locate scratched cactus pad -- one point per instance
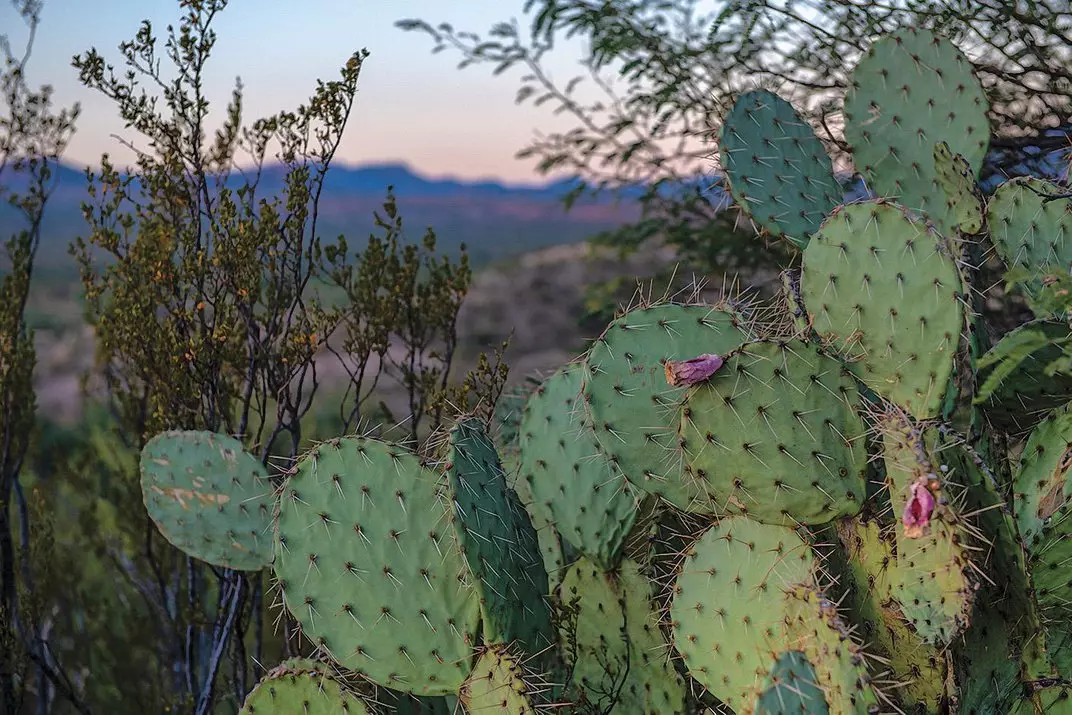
(957, 181)
(910, 91)
(209, 497)
(775, 434)
(729, 613)
(632, 408)
(290, 690)
(498, 542)
(368, 564)
(777, 169)
(882, 290)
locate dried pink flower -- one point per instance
(918, 510)
(689, 372)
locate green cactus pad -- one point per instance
(936, 583)
(1054, 699)
(209, 498)
(551, 553)
(777, 169)
(509, 410)
(881, 290)
(613, 643)
(572, 483)
(1015, 391)
(630, 404)
(728, 613)
(957, 181)
(286, 691)
(1042, 493)
(1028, 232)
(791, 689)
(867, 564)
(499, 543)
(986, 663)
(369, 566)
(910, 91)
(499, 684)
(775, 434)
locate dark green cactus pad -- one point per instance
(613, 644)
(498, 542)
(840, 665)
(632, 408)
(957, 181)
(1042, 493)
(287, 690)
(551, 553)
(209, 497)
(936, 581)
(1016, 393)
(882, 291)
(368, 564)
(499, 684)
(728, 613)
(986, 661)
(1030, 233)
(509, 410)
(777, 169)
(910, 91)
(573, 484)
(791, 688)
(866, 565)
(775, 434)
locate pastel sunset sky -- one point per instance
(412, 106)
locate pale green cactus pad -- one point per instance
(957, 181)
(209, 497)
(500, 685)
(883, 291)
(368, 563)
(295, 688)
(778, 171)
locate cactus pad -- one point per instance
(614, 643)
(572, 483)
(498, 542)
(957, 181)
(774, 434)
(791, 688)
(777, 169)
(881, 290)
(209, 498)
(910, 91)
(500, 685)
(288, 689)
(631, 406)
(729, 606)
(1029, 232)
(368, 565)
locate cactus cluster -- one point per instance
(851, 508)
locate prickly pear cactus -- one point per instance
(956, 178)
(632, 409)
(501, 684)
(882, 289)
(791, 688)
(775, 434)
(367, 563)
(910, 91)
(209, 497)
(498, 542)
(297, 687)
(573, 484)
(777, 169)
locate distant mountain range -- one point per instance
(494, 219)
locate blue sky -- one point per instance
(412, 106)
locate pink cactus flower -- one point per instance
(918, 510)
(690, 372)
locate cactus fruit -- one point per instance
(295, 687)
(882, 291)
(368, 565)
(573, 485)
(791, 688)
(615, 649)
(775, 435)
(729, 603)
(498, 542)
(500, 684)
(630, 405)
(1030, 232)
(957, 181)
(209, 498)
(777, 169)
(910, 91)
